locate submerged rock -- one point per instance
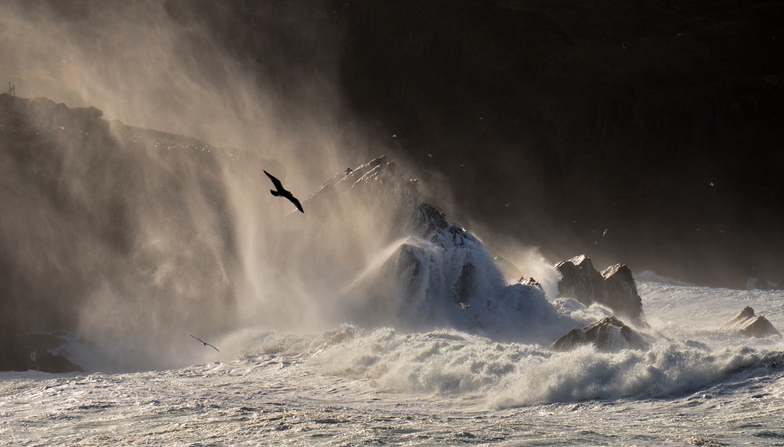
(751, 325)
(614, 287)
(607, 335)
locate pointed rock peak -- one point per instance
(746, 322)
(747, 312)
(617, 269)
(582, 261)
(608, 335)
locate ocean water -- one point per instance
(353, 385)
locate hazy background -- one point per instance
(648, 134)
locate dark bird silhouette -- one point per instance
(280, 191)
(205, 343)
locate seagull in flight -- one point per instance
(464, 306)
(205, 343)
(280, 191)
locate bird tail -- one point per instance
(274, 193)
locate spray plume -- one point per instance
(133, 238)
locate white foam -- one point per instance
(421, 284)
(512, 374)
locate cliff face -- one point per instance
(108, 229)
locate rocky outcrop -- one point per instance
(614, 287)
(579, 280)
(18, 112)
(37, 352)
(607, 335)
(750, 324)
(89, 204)
(435, 273)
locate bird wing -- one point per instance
(295, 202)
(275, 182)
(205, 343)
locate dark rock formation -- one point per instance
(614, 287)
(607, 335)
(620, 292)
(579, 280)
(35, 352)
(750, 325)
(528, 281)
(16, 112)
(83, 201)
(436, 274)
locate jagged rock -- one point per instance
(614, 287)
(620, 292)
(607, 335)
(441, 275)
(750, 325)
(35, 352)
(94, 183)
(527, 281)
(25, 112)
(579, 280)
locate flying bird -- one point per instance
(205, 343)
(464, 306)
(280, 191)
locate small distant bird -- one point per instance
(205, 343)
(280, 191)
(464, 306)
(348, 171)
(711, 183)
(605, 232)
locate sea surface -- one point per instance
(348, 385)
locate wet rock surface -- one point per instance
(614, 287)
(607, 335)
(750, 324)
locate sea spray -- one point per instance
(443, 276)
